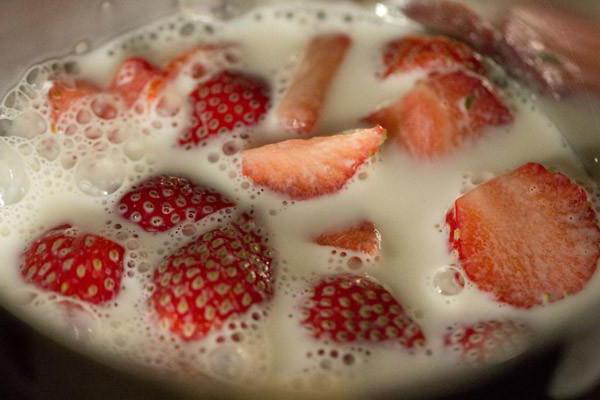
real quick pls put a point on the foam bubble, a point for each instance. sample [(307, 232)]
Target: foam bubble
[(14, 182), (100, 175)]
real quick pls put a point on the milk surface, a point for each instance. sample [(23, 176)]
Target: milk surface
[(77, 175)]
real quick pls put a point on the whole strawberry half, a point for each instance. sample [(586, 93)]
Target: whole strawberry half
[(529, 237), (346, 309), (222, 273), (488, 341), (227, 101), (75, 264), (162, 202), (306, 168), (363, 237), (441, 113), (430, 53)]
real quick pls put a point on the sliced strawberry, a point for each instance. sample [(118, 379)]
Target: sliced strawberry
[(75, 264), (163, 202), (347, 309), (135, 76), (195, 59), (313, 167), (488, 341), (430, 53), (63, 96), (529, 237), (229, 100), (442, 112), (221, 274), (302, 104), (364, 238)]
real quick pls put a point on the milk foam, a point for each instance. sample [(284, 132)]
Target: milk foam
[(78, 174)]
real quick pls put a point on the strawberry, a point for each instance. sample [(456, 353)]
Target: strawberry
[(221, 274), (305, 168), (363, 238), (488, 341), (228, 100), (194, 58), (135, 76), (346, 309), (163, 202), (302, 104), (442, 112), (529, 237), (431, 53), (63, 96), (75, 264)]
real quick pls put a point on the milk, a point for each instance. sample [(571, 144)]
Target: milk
[(78, 177)]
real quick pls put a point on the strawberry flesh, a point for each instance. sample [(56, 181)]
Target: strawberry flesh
[(227, 101), (302, 104), (430, 53), (348, 309), (135, 76), (307, 168), (363, 238), (163, 202), (63, 96), (221, 274), (441, 113), (75, 264), (529, 237)]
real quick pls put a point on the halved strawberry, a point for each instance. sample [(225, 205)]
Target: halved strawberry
[(529, 237), (135, 76), (229, 100), (364, 238), (305, 168), (62, 96), (75, 264), (488, 341), (346, 309), (302, 104), (430, 53), (221, 274), (442, 112), (163, 202)]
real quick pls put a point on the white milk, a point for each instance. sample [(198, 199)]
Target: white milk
[(53, 181)]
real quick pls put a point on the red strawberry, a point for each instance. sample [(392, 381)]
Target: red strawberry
[(221, 274), (489, 341), (302, 103), (163, 202), (135, 76), (193, 59), (313, 167), (75, 264), (529, 237), (442, 112), (63, 96), (346, 309), (229, 100), (431, 53), (364, 238)]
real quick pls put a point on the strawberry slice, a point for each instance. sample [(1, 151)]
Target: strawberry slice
[(194, 59), (229, 100), (63, 96), (302, 104), (441, 113), (221, 274), (488, 341), (529, 237), (431, 53), (135, 76), (305, 168), (363, 238), (75, 264), (347, 309), (162, 202)]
